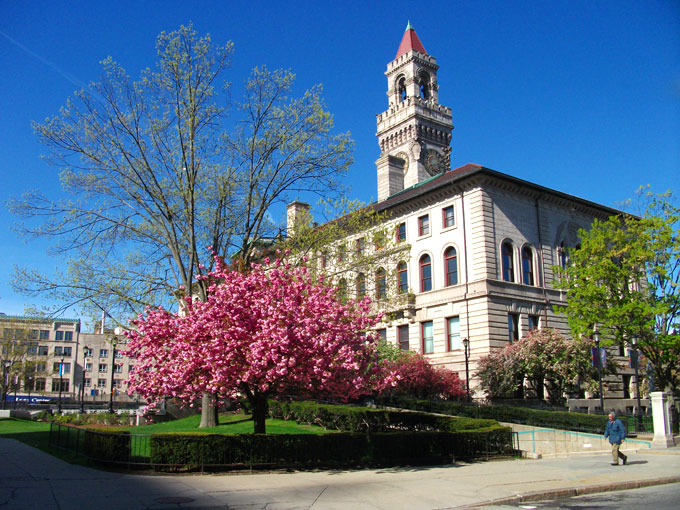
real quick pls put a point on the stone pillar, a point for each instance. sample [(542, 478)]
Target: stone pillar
[(663, 437)]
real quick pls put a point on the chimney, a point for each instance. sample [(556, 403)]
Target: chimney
[(298, 215)]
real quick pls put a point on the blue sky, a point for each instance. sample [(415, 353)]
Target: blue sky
[(579, 96)]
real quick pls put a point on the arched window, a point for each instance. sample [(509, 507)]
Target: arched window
[(361, 285), (425, 273), (562, 255), (527, 266), (507, 261), (342, 290), (401, 88), (424, 82), (402, 277), (451, 266), (380, 284)]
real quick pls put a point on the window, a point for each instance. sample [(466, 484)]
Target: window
[(382, 335), (402, 277), (513, 327), (59, 336), (428, 339), (87, 383), (342, 290), (402, 337), (103, 367), (453, 333), (534, 322), (117, 383), (44, 334), (103, 353), (42, 350), (451, 266), (101, 383), (448, 219), (66, 368), (324, 260), (62, 351), (425, 273), (34, 334), (32, 348), (424, 225), (40, 384), (341, 253), (508, 264), (40, 367), (562, 255), (118, 354), (68, 336), (527, 266), (87, 352), (401, 232), (380, 284), (361, 285), (55, 385), (360, 246), (88, 367), (118, 369)]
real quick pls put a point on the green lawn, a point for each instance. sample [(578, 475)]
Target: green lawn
[(228, 424)]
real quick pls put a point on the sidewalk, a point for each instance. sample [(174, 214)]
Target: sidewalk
[(31, 479)]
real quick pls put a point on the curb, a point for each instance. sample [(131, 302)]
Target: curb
[(576, 491)]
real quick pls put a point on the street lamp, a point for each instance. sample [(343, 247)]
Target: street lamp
[(635, 361), (466, 347), (114, 342), (596, 336), (5, 379), (61, 383), (82, 383)]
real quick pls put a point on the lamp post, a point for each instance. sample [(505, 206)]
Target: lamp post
[(466, 347), (29, 379), (596, 335), (82, 383), (61, 381), (635, 361), (5, 380), (114, 341)]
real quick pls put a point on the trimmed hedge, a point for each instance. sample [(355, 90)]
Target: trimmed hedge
[(510, 414), (362, 419), (109, 446), (345, 449)]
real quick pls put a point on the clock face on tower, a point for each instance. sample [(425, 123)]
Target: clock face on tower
[(433, 162)]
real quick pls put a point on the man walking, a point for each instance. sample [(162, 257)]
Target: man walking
[(616, 433)]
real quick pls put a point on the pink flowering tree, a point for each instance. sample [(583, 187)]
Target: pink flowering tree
[(271, 331)]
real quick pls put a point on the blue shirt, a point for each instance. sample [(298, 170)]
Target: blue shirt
[(615, 431)]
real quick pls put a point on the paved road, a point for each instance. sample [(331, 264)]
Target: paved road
[(31, 479)]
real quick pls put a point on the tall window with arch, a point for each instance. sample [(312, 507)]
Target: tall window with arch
[(507, 261), (424, 83), (361, 285), (342, 290), (380, 284), (402, 277), (451, 266), (528, 266), (401, 88), (425, 273)]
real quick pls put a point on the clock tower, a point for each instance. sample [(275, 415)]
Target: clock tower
[(415, 132)]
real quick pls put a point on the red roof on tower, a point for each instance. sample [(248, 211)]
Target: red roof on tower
[(410, 42)]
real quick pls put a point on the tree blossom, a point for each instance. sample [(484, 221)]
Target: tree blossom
[(271, 331)]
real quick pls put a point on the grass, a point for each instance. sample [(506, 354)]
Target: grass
[(35, 434), (237, 423)]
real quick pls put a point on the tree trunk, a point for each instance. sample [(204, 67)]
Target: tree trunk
[(208, 412), (260, 408)]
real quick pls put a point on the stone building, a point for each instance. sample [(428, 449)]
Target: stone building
[(481, 244)]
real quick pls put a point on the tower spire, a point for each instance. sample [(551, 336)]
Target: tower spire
[(410, 42)]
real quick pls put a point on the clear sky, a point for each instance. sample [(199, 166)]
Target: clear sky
[(579, 96)]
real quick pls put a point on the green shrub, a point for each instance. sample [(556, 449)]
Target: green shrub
[(361, 419), (347, 449), (510, 414), (110, 446)]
